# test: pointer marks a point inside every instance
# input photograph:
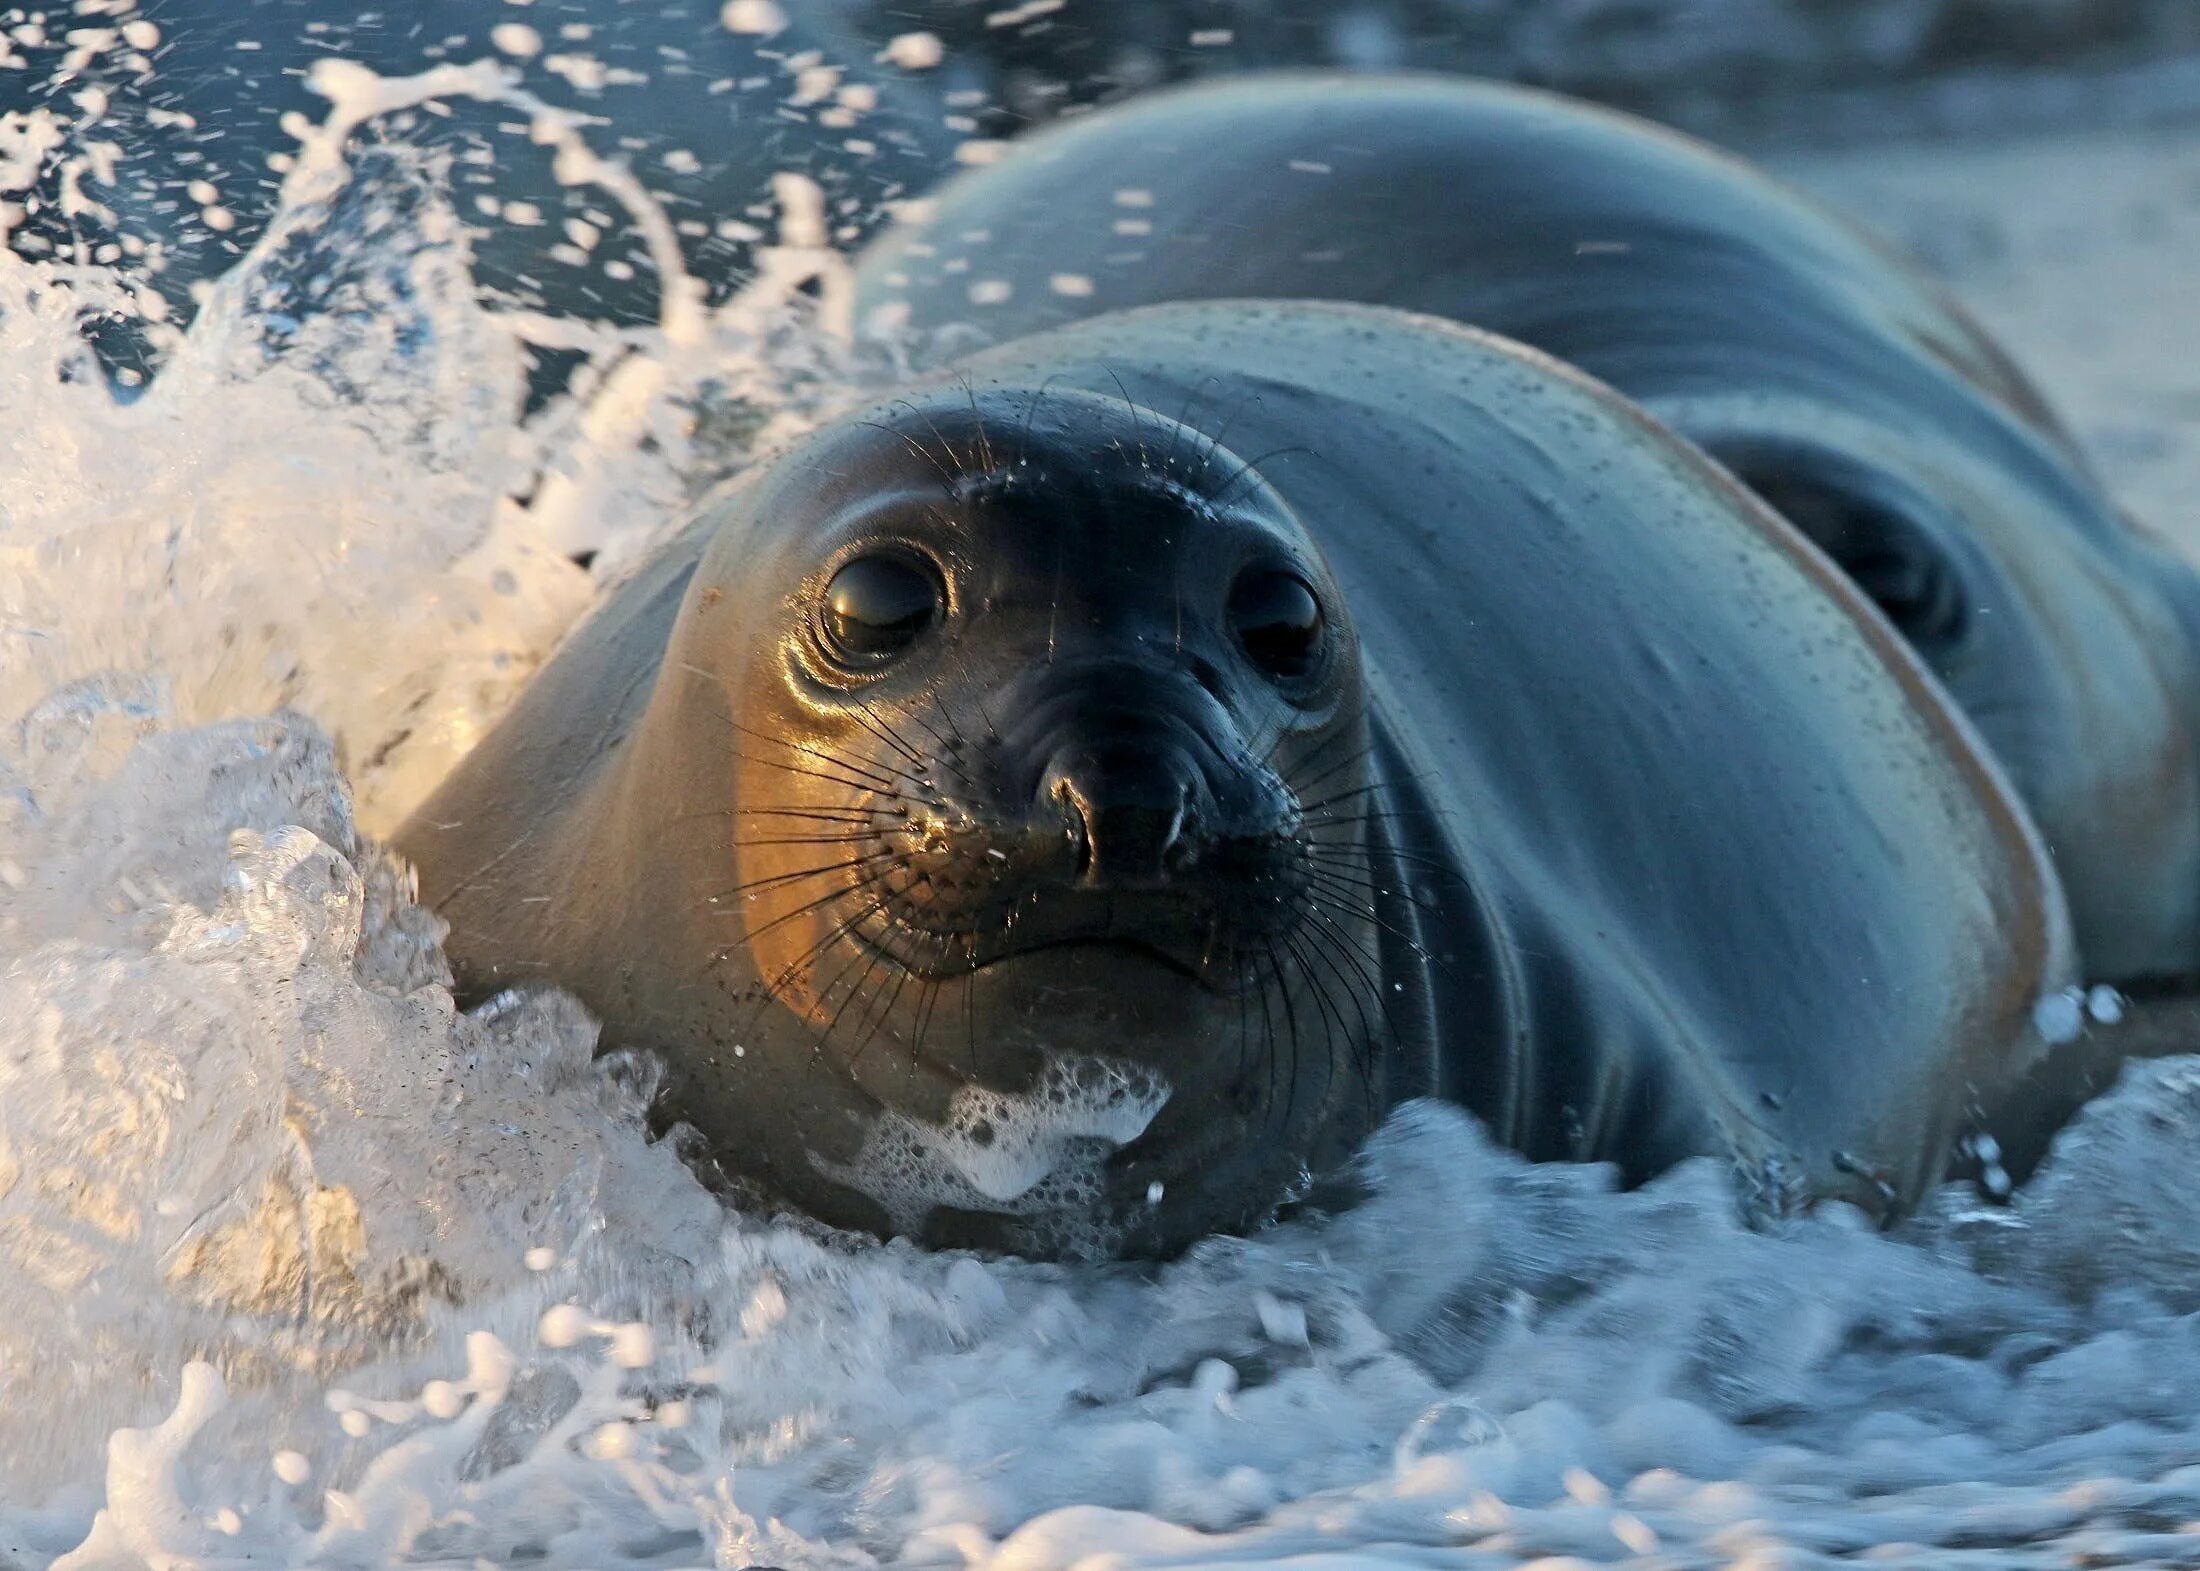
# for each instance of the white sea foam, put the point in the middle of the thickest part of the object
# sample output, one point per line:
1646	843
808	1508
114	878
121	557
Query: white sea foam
1035	1153
300	1265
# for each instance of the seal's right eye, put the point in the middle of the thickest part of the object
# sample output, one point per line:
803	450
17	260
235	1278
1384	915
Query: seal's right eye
876	607
1278	621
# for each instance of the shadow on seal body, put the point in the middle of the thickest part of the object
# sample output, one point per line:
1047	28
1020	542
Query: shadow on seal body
1823	371
1064	808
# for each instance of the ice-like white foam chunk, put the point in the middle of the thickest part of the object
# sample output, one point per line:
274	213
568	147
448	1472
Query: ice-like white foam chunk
1022	1153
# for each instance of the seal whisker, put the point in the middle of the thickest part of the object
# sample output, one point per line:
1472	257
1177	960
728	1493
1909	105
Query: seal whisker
851	816
1216	437
1215	496
772	991
1277	705
1340	951
888	788
1031	411
801	840
934	731
884	732
949	481
775	880
970	1012
960	463
1414	859
1270	1046
985	442
869	958
804	748
1145	459
1291	1026
1330	773
1370	789
802	910
1342	887
1332	1012
1183	417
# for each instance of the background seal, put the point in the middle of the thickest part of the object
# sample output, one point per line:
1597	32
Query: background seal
1827	374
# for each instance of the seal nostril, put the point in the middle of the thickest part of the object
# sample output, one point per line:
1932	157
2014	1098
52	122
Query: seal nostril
1131	816
1077	822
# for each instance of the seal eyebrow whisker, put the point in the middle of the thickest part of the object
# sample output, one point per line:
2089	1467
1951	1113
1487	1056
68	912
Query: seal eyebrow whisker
948	481
1145	459
985	442
1216	437
956	459
1216	496
1031	412
1183	417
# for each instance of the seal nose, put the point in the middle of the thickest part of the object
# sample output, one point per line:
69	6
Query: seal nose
1133	811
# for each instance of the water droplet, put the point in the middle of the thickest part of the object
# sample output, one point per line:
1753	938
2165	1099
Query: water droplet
1454	1424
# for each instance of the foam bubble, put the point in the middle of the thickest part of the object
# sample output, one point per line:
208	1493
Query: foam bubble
1028	1154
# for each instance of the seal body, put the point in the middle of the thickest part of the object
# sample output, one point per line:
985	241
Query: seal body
1821	370
1064	808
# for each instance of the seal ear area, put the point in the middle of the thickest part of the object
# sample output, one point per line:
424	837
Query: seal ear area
1894	543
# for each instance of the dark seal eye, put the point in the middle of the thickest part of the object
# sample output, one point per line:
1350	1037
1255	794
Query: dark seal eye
1278	620
877	606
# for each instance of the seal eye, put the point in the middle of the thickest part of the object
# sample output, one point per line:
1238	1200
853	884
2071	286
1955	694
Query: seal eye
876	607
1277	620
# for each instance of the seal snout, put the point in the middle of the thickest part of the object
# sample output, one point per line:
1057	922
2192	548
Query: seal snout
1135	814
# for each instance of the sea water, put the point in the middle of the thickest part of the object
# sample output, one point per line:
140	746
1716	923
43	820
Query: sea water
301	1265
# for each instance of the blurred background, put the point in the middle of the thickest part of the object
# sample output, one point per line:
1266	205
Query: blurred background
1785	69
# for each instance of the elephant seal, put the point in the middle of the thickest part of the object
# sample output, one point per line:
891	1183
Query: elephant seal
1820	369
1063	808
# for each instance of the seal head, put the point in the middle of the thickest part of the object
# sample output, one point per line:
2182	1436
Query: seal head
1036	874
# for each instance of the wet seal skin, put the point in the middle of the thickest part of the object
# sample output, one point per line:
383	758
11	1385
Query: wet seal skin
1063	809
1826	373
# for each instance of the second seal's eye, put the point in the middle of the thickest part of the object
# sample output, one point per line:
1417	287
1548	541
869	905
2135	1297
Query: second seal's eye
1277	620
877	606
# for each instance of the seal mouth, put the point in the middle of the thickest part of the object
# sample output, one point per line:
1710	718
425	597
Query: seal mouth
1174	939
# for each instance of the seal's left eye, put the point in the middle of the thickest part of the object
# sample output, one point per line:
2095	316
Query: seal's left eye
1278	621
877	606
